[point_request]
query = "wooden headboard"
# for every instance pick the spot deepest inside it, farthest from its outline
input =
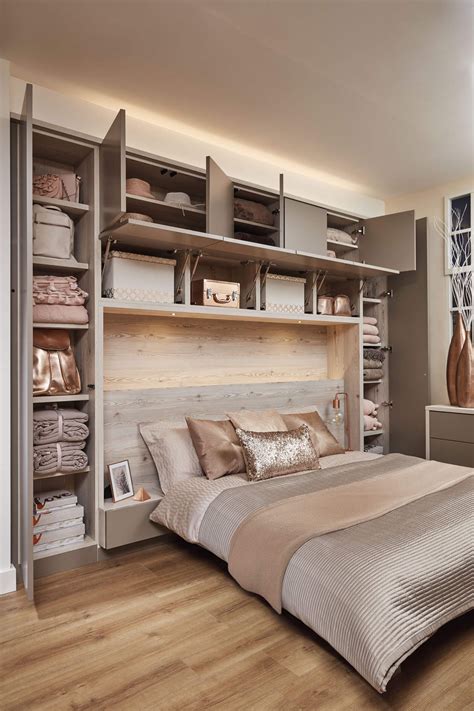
(162, 369)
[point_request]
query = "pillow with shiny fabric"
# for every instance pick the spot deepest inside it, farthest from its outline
(217, 447)
(324, 442)
(258, 420)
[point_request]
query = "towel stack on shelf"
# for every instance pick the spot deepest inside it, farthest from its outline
(59, 440)
(373, 364)
(58, 520)
(58, 299)
(370, 331)
(371, 422)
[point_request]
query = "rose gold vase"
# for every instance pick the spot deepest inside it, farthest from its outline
(465, 375)
(455, 348)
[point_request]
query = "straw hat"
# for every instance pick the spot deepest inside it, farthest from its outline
(136, 186)
(178, 199)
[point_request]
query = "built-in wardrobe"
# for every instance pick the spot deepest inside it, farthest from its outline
(146, 361)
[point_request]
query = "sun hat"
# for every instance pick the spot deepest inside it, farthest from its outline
(178, 199)
(137, 186)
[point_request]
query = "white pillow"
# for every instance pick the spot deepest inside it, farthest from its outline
(172, 451)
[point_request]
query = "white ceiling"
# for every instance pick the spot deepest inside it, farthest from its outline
(378, 92)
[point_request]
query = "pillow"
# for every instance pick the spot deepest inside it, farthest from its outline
(258, 420)
(271, 454)
(324, 442)
(217, 447)
(172, 452)
(340, 236)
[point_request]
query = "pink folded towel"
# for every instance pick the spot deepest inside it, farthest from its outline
(371, 423)
(370, 320)
(370, 408)
(372, 340)
(59, 313)
(370, 330)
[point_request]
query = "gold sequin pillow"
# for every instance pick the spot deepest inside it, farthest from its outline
(270, 454)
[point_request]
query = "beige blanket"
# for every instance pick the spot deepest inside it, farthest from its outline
(282, 528)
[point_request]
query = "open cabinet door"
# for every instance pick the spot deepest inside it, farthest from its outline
(281, 215)
(219, 201)
(305, 226)
(389, 241)
(113, 173)
(25, 337)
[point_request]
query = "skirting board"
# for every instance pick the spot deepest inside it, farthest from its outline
(8, 580)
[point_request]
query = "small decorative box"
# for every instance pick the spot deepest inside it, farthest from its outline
(283, 294)
(139, 277)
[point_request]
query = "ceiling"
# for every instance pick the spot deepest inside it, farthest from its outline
(377, 92)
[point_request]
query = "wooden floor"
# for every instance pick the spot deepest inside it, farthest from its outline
(167, 628)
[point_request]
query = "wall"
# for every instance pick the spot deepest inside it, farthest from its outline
(430, 204)
(7, 572)
(85, 117)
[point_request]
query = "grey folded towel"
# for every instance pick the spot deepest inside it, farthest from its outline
(61, 457)
(67, 425)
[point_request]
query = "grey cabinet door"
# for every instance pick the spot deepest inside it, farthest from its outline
(25, 231)
(408, 361)
(219, 201)
(389, 241)
(113, 172)
(305, 227)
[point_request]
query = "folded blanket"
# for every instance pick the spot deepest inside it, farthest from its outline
(371, 423)
(370, 330)
(369, 407)
(370, 320)
(51, 426)
(370, 354)
(58, 290)
(340, 236)
(372, 373)
(372, 363)
(46, 313)
(64, 457)
(368, 338)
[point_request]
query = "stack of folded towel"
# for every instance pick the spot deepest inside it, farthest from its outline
(370, 331)
(59, 440)
(58, 299)
(370, 416)
(373, 364)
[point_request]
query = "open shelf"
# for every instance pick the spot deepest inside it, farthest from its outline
(86, 543)
(143, 235)
(73, 209)
(225, 314)
(42, 477)
(370, 300)
(373, 433)
(256, 228)
(67, 326)
(187, 216)
(372, 382)
(40, 399)
(373, 345)
(341, 247)
(60, 266)
(155, 496)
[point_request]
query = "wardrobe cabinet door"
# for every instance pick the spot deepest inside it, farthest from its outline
(305, 227)
(113, 173)
(25, 340)
(219, 201)
(389, 241)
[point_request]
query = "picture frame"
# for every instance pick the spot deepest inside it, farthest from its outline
(121, 482)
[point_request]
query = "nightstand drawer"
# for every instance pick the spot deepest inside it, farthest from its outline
(443, 450)
(128, 524)
(452, 426)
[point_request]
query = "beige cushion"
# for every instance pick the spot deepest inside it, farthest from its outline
(324, 442)
(271, 454)
(172, 452)
(258, 420)
(217, 447)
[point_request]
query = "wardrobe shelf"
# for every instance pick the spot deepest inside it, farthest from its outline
(41, 477)
(151, 236)
(191, 217)
(373, 433)
(373, 345)
(73, 209)
(218, 313)
(369, 300)
(372, 382)
(341, 247)
(60, 265)
(88, 542)
(67, 326)
(256, 228)
(40, 399)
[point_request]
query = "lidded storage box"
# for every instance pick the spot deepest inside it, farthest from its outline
(283, 294)
(139, 277)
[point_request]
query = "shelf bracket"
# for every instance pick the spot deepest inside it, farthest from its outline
(198, 256)
(108, 246)
(182, 282)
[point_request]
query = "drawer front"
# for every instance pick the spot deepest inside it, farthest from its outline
(130, 524)
(452, 426)
(452, 452)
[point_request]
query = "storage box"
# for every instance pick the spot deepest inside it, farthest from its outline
(211, 292)
(283, 294)
(56, 517)
(138, 277)
(58, 534)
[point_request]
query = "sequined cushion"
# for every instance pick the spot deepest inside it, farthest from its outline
(270, 454)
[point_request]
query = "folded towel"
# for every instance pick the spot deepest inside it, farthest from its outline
(373, 354)
(370, 330)
(58, 290)
(369, 407)
(372, 373)
(60, 313)
(368, 338)
(371, 423)
(370, 320)
(64, 457)
(372, 364)
(51, 426)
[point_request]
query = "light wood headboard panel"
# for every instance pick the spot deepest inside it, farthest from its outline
(155, 352)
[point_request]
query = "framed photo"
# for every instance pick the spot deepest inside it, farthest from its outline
(120, 480)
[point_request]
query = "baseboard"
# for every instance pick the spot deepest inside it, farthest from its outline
(8, 580)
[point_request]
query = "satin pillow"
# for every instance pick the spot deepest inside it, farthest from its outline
(217, 447)
(258, 420)
(324, 442)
